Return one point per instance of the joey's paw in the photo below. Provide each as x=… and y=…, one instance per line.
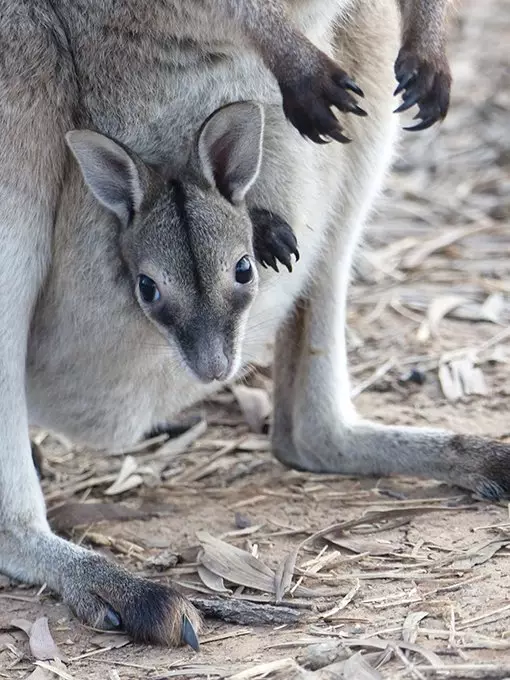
x=273, y=239
x=105, y=596
x=311, y=89
x=425, y=83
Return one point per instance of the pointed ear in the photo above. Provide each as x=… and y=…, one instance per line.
x=230, y=148
x=109, y=172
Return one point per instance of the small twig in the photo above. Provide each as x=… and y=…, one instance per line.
x=246, y=613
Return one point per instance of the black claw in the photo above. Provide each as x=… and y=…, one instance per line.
x=349, y=84
x=357, y=110
x=296, y=254
x=271, y=260
x=410, y=100
x=339, y=136
x=189, y=636
x=112, y=619
x=428, y=122
x=405, y=81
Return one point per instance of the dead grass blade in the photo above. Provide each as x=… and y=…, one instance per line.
x=265, y=670
x=284, y=574
x=438, y=309
x=417, y=257
x=410, y=626
x=126, y=479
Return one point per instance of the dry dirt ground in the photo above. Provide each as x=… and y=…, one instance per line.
x=415, y=591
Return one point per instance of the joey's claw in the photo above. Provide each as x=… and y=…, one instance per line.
x=189, y=636
x=271, y=261
x=273, y=239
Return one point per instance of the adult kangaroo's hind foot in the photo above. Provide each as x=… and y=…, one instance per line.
x=315, y=424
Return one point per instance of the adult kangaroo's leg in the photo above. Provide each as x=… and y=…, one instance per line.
x=37, y=92
x=315, y=425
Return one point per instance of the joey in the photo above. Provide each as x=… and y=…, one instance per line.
x=189, y=244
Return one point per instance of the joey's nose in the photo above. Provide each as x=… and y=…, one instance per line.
x=212, y=362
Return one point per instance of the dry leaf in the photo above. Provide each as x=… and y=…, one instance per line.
x=126, y=480
x=55, y=667
x=234, y=564
x=255, y=405
x=357, y=668
x=410, y=626
x=450, y=383
x=461, y=376
x=22, y=624
x=238, y=566
x=42, y=645
x=39, y=674
x=211, y=580
x=284, y=574
x=480, y=555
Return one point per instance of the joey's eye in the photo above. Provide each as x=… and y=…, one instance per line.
x=149, y=292
x=244, y=270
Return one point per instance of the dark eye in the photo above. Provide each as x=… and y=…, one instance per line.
x=244, y=270
x=149, y=292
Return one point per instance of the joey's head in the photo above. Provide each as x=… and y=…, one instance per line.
x=187, y=242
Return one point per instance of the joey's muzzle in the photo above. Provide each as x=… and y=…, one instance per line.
x=210, y=357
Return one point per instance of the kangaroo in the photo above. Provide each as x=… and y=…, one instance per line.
x=80, y=353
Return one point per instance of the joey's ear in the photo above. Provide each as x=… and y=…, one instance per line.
x=109, y=172
x=230, y=148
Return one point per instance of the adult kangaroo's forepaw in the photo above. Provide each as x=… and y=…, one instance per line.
x=105, y=596
x=425, y=83
x=311, y=88
x=273, y=239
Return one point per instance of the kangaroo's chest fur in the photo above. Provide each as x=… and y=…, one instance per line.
x=148, y=75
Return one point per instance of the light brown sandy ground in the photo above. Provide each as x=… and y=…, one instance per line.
x=436, y=563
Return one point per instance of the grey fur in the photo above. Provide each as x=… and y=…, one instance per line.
x=77, y=355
